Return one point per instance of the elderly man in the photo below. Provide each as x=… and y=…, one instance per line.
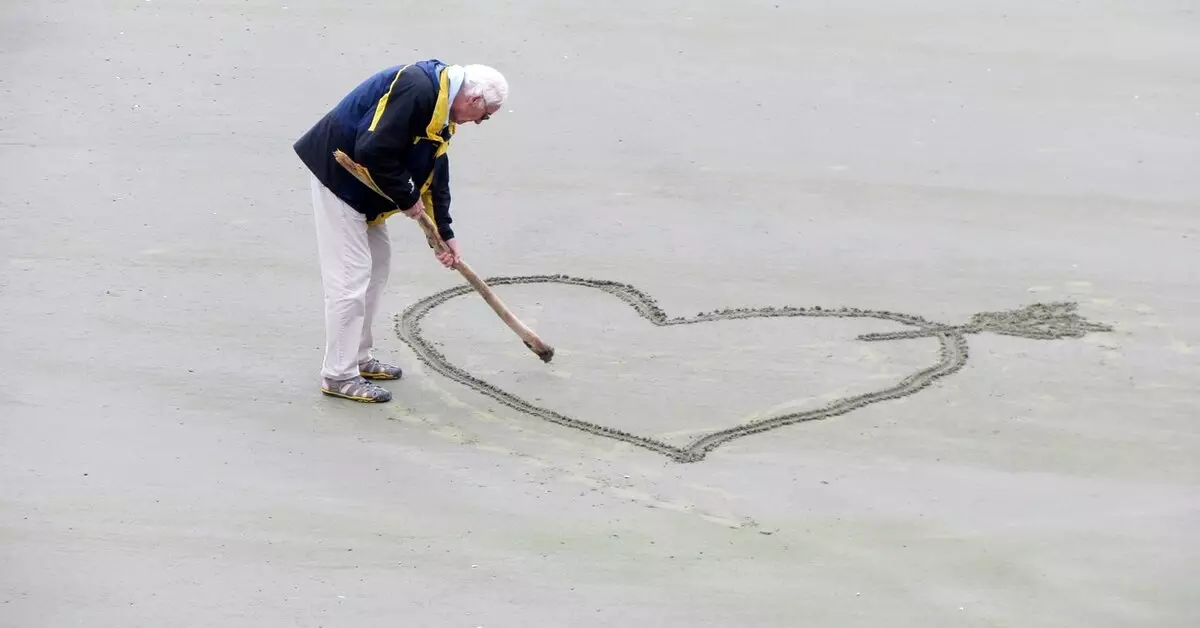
x=397, y=125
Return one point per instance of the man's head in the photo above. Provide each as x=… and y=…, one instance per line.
x=482, y=94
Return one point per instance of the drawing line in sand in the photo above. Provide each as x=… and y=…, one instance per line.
x=1045, y=321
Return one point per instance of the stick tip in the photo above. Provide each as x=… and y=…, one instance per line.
x=543, y=351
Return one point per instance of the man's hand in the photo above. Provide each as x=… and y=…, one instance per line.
x=416, y=210
x=449, y=259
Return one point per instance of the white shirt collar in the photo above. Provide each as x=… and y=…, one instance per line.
x=455, y=74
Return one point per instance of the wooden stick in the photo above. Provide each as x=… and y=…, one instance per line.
x=531, y=340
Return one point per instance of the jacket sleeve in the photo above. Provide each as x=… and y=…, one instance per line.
x=383, y=147
x=439, y=190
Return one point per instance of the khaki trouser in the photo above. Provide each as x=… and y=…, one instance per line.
x=355, y=262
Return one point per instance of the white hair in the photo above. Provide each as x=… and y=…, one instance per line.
x=482, y=80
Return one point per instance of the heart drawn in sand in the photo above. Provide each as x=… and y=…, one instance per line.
x=1040, y=321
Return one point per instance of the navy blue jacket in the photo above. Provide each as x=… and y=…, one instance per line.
x=396, y=125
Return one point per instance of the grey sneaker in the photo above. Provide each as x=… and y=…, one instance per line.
x=357, y=389
x=374, y=369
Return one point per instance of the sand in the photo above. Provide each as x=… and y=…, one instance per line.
x=995, y=209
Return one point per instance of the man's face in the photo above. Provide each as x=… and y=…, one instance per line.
x=471, y=109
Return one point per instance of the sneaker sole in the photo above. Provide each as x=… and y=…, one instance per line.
x=379, y=375
x=353, y=398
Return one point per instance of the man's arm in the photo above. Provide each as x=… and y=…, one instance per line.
x=439, y=198
x=383, y=148
x=439, y=193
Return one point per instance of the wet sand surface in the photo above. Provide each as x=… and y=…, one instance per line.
x=166, y=458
